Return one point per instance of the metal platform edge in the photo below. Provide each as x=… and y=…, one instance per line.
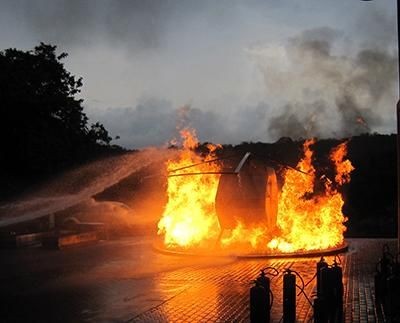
x=343, y=248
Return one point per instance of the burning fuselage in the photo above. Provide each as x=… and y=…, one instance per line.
x=246, y=211
x=249, y=197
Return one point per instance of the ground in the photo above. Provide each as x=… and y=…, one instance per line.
x=128, y=281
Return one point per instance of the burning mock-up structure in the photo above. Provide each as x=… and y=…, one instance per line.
x=249, y=197
x=211, y=208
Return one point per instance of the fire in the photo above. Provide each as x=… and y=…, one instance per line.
x=361, y=121
x=310, y=221
x=189, y=217
x=306, y=219
x=343, y=167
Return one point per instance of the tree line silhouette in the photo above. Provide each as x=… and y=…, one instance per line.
x=42, y=125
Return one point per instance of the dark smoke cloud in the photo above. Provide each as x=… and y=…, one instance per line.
x=135, y=24
x=298, y=125
x=328, y=93
x=129, y=23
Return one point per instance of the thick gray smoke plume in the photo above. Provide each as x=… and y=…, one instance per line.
x=322, y=93
x=313, y=91
x=246, y=70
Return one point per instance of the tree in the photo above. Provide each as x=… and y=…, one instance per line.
x=99, y=134
x=42, y=123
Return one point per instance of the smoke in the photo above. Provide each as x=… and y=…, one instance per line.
x=378, y=28
x=156, y=122
x=247, y=70
x=138, y=24
x=323, y=92
x=293, y=124
x=135, y=25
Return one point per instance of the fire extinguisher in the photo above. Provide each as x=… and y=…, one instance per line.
x=259, y=307
x=320, y=303
x=289, y=296
x=319, y=310
x=337, y=293
x=392, y=304
x=328, y=305
x=383, y=270
x=321, y=264
x=262, y=299
x=327, y=292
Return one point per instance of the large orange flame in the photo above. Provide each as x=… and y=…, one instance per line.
x=310, y=221
x=189, y=217
x=306, y=220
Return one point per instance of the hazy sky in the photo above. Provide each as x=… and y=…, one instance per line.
x=250, y=70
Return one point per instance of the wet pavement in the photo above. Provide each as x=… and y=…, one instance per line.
x=127, y=281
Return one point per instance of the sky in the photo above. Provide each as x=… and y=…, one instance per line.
x=253, y=70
